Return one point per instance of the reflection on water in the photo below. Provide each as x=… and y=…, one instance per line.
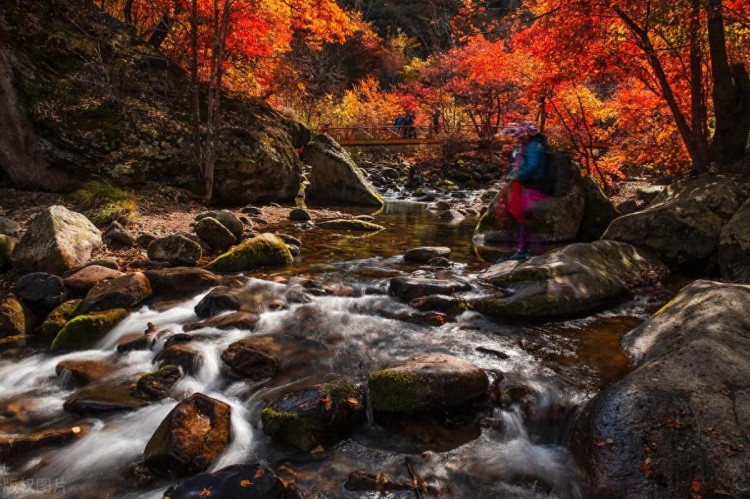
x=513, y=446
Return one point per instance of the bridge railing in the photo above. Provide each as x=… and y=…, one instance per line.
x=349, y=134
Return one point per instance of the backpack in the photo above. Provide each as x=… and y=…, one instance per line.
x=544, y=177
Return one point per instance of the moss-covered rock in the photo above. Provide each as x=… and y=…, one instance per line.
x=426, y=383
x=12, y=318
x=353, y=225
x=156, y=385
x=575, y=280
x=84, y=331
x=316, y=415
x=60, y=316
x=265, y=250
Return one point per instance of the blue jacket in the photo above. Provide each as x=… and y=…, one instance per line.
x=532, y=158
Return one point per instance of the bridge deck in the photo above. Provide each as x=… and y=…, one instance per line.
x=390, y=142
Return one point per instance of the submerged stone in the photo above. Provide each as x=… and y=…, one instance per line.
x=409, y=288
x=426, y=253
x=351, y=225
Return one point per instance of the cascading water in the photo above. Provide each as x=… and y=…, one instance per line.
x=517, y=449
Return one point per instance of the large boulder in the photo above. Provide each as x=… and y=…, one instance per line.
x=214, y=234
x=190, y=438
x=555, y=219
x=598, y=211
x=121, y=292
x=265, y=250
x=682, y=226
x=575, y=280
x=175, y=249
x=55, y=241
x=429, y=382
x=335, y=176
x=316, y=415
x=734, y=247
x=677, y=425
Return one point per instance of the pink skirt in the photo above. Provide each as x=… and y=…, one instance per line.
x=520, y=199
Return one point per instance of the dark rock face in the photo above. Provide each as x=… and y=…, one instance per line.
x=55, y=241
x=682, y=414
x=190, y=438
x=598, y=211
x=41, y=292
x=409, y=288
x=734, y=247
x=425, y=383
x=246, y=481
x=316, y=415
x=683, y=225
x=180, y=281
x=121, y=292
x=254, y=358
x=575, y=280
x=335, y=176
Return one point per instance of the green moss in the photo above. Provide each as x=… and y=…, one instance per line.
x=104, y=202
x=85, y=330
x=293, y=428
x=396, y=391
x=252, y=254
x=351, y=225
x=60, y=316
x=12, y=318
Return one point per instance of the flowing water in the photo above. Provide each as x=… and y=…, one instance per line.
x=515, y=447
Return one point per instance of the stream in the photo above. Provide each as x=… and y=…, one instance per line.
x=514, y=447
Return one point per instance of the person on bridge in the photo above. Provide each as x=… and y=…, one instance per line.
x=411, y=130
x=399, y=124
x=527, y=168
x=436, y=123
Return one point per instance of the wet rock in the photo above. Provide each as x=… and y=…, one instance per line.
x=9, y=227
x=144, y=240
x=294, y=250
x=578, y=279
x=7, y=244
x=681, y=415
x=12, y=318
x=353, y=225
x=84, y=331
x=366, y=218
x=246, y=481
x=598, y=211
x=182, y=356
x=88, y=277
x=649, y=193
x=39, y=291
x=252, y=211
x=156, y=385
x=180, y=281
x=14, y=446
x=409, y=288
x=60, y=316
x=317, y=415
x=335, y=176
x=426, y=253
x=116, y=234
x=426, y=383
x=175, y=249
x=441, y=206
x=259, y=221
x=453, y=215
x=103, y=398
x=256, y=358
x=734, y=247
x=214, y=234
x=121, y=292
x=556, y=219
x=266, y=250
x=224, y=298
x=192, y=436
x=82, y=372
x=231, y=221
x=627, y=207
x=440, y=262
x=683, y=225
x=441, y=303
x=290, y=240
x=299, y=215
x=56, y=240
x=234, y=320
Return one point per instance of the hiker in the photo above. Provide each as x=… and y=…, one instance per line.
x=411, y=131
x=399, y=124
x=436, y=123
x=530, y=179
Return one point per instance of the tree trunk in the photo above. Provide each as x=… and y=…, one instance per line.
x=127, y=11
x=697, y=101
x=731, y=93
x=166, y=21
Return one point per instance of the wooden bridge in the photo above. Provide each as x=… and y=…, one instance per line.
x=365, y=136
